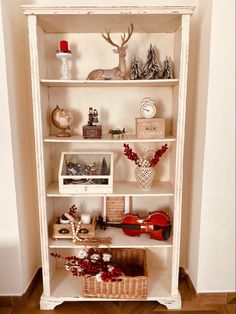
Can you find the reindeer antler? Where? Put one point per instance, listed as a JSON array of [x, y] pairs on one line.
[[130, 32], [107, 37]]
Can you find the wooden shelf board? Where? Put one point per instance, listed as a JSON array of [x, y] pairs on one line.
[[105, 139], [112, 83], [120, 188], [69, 288], [119, 240], [95, 19], [111, 10]]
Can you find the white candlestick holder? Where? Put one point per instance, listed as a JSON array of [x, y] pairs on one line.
[[65, 72]]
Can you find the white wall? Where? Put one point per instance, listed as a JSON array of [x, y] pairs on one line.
[[19, 233], [9, 240], [217, 232], [195, 136], [211, 151]]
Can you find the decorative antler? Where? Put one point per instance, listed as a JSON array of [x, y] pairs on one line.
[[130, 32], [108, 39]]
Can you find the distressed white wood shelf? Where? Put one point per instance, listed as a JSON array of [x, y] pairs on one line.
[[65, 287], [93, 19], [69, 288], [119, 240], [112, 83], [167, 28], [121, 188], [106, 139]]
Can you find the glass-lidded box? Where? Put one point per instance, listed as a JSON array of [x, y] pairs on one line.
[[86, 172]]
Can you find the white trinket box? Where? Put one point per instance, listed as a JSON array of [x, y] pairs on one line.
[[86, 173]]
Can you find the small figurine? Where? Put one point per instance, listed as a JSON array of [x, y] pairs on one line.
[[93, 116], [119, 72], [92, 129], [92, 168], [118, 132], [75, 169], [90, 115]]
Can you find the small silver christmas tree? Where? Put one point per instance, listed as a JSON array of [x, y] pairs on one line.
[[151, 69], [135, 70], [167, 71]]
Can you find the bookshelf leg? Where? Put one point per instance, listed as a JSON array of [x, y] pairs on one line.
[[48, 304], [172, 302]]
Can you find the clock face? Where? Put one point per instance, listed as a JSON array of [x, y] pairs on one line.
[[148, 108]]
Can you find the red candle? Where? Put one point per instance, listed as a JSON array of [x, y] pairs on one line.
[[63, 46]]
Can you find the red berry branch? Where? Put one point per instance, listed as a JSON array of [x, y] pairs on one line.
[[72, 210], [149, 160], [130, 154], [158, 155], [91, 262]]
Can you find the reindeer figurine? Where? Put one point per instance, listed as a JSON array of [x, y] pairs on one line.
[[119, 72]]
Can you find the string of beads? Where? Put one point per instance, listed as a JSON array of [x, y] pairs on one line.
[[75, 230]]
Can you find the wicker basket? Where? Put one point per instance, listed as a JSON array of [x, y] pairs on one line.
[[124, 287]]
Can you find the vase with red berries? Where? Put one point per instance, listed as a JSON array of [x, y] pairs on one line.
[[144, 172], [144, 177]]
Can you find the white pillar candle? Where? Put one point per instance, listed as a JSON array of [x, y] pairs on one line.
[[85, 219]]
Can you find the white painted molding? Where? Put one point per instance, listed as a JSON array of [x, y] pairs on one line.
[[180, 150], [75, 9]]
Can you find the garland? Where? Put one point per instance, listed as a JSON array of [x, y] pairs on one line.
[[75, 228]]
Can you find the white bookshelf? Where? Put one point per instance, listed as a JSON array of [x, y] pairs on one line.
[[118, 105]]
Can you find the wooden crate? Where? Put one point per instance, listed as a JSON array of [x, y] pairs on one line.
[[150, 128], [115, 208], [63, 231], [90, 173]]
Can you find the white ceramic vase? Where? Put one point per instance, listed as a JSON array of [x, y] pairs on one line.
[[144, 177]]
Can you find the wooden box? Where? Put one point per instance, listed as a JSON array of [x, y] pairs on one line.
[[63, 231], [150, 128], [115, 208], [93, 131], [86, 173]]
